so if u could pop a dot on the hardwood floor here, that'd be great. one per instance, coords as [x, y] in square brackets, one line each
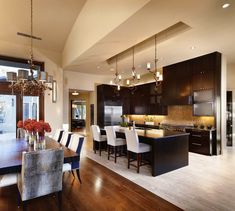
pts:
[101, 189]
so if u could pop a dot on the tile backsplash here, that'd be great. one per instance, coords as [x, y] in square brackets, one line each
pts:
[176, 115]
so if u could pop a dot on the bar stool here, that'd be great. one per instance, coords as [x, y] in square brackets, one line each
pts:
[97, 137]
[133, 146]
[114, 143]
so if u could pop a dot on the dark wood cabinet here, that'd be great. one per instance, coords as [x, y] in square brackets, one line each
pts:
[203, 70]
[202, 141]
[177, 84]
[147, 100]
[181, 79]
[108, 95]
[139, 100]
[156, 106]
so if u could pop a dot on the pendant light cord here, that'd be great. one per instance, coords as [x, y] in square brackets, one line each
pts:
[31, 29]
[155, 61]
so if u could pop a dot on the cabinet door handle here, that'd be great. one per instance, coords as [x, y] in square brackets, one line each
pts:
[199, 136]
[196, 144]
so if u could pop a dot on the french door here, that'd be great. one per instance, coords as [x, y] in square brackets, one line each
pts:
[14, 108]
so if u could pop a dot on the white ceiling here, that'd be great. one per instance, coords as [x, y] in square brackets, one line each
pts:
[212, 29]
[53, 20]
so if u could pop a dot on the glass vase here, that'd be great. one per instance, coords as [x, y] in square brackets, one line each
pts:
[27, 134]
[32, 138]
[40, 143]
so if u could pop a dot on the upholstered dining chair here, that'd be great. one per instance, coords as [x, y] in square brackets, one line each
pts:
[75, 145]
[97, 137]
[58, 135]
[8, 179]
[66, 138]
[115, 145]
[133, 146]
[41, 174]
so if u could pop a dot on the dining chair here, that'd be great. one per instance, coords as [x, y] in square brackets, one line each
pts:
[41, 174]
[97, 137]
[66, 138]
[134, 146]
[115, 145]
[58, 135]
[76, 146]
[8, 179]
[20, 133]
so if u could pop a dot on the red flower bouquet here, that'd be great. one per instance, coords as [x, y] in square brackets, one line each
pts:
[34, 126]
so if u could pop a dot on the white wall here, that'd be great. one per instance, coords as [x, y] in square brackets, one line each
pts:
[53, 111]
[81, 81]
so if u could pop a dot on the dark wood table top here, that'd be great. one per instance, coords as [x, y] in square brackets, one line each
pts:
[11, 153]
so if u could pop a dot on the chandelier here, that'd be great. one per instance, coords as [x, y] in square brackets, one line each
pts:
[32, 82]
[156, 74]
[135, 77]
[117, 79]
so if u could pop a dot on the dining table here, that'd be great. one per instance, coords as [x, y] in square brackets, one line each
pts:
[11, 153]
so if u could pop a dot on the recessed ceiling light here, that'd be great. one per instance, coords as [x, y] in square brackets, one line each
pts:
[192, 47]
[226, 5]
[75, 93]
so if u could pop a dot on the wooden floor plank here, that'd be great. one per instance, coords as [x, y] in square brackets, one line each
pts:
[101, 189]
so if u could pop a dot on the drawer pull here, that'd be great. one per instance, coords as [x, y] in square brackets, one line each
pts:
[199, 136]
[196, 144]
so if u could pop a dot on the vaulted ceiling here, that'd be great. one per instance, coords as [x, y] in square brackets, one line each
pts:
[88, 32]
[53, 20]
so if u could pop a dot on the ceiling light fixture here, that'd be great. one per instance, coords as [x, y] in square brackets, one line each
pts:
[156, 74]
[118, 78]
[27, 82]
[226, 5]
[75, 93]
[135, 77]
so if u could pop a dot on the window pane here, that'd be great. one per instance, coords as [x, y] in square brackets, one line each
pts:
[7, 116]
[31, 107]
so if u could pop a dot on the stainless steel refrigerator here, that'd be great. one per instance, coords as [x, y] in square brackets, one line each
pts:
[112, 115]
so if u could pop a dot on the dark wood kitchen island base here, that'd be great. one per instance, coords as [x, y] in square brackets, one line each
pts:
[169, 149]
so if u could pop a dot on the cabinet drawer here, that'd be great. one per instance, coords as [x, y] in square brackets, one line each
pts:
[200, 134]
[200, 144]
[201, 148]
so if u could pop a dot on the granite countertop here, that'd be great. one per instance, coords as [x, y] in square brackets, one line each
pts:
[199, 129]
[156, 133]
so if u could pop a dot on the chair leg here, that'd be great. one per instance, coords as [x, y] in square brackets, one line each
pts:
[59, 196]
[108, 151]
[138, 162]
[115, 154]
[94, 147]
[72, 173]
[100, 148]
[24, 205]
[18, 199]
[78, 174]
[128, 159]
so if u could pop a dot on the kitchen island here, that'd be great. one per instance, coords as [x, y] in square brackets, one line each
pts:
[169, 148]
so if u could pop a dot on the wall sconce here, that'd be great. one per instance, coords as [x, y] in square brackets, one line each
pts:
[54, 91]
